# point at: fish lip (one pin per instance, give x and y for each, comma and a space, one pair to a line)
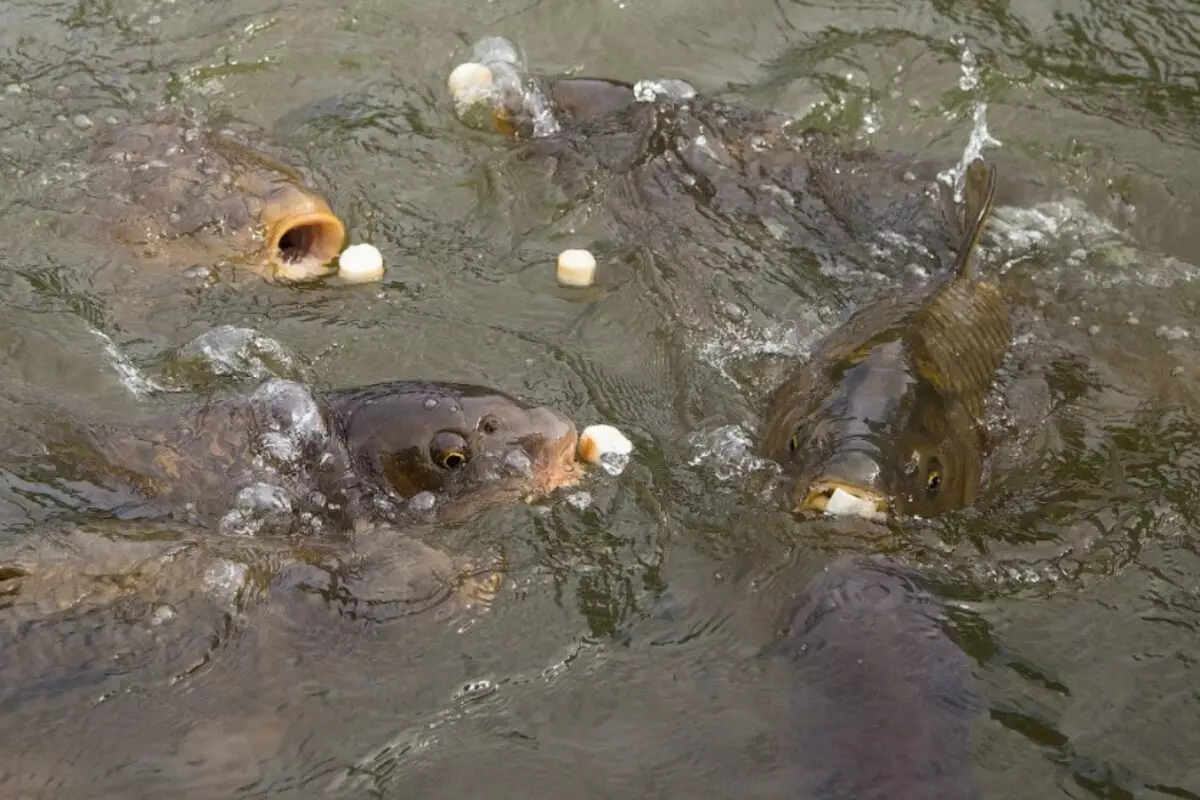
556, 466
821, 490
326, 234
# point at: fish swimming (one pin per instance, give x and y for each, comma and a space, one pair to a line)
884, 699
178, 196
344, 456
366, 464
886, 417
683, 173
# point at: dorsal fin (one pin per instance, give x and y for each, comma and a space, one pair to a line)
979, 190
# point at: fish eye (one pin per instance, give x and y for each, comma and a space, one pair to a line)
933, 479
489, 424
449, 450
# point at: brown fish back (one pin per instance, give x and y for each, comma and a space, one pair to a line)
964, 335
964, 328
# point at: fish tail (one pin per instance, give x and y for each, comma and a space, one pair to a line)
979, 191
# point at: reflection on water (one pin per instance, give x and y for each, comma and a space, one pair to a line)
621, 651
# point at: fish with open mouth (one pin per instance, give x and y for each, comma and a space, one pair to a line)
178, 194
886, 417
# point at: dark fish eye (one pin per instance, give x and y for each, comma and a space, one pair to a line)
489, 424
449, 450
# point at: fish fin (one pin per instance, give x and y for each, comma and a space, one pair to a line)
979, 190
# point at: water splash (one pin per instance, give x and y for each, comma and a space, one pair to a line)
980, 138
651, 90
228, 352
293, 428
1093, 249
259, 509
372, 771
736, 339
225, 578
133, 379
729, 448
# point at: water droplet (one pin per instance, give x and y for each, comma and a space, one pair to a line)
423, 501
579, 500
199, 272
1172, 334
474, 690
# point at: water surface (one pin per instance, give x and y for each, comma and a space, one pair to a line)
619, 659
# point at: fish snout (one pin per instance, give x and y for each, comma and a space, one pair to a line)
847, 485
551, 449
536, 455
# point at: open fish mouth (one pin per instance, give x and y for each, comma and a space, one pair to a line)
304, 245
303, 234
844, 499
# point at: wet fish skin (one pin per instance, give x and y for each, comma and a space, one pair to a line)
663, 162
178, 194
360, 452
884, 700
889, 409
394, 429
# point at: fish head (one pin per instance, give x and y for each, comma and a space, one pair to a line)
942, 451
882, 439
457, 440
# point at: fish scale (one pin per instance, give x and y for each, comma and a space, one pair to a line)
966, 335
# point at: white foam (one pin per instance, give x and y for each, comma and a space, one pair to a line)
650, 90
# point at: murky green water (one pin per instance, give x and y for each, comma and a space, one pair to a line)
618, 659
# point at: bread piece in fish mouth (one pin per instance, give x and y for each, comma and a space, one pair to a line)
886, 417
181, 196
376, 452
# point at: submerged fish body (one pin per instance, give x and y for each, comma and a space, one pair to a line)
338, 467
886, 417
884, 700
180, 196
690, 176
99, 609
342, 456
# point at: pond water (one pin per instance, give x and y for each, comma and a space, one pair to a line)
619, 657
